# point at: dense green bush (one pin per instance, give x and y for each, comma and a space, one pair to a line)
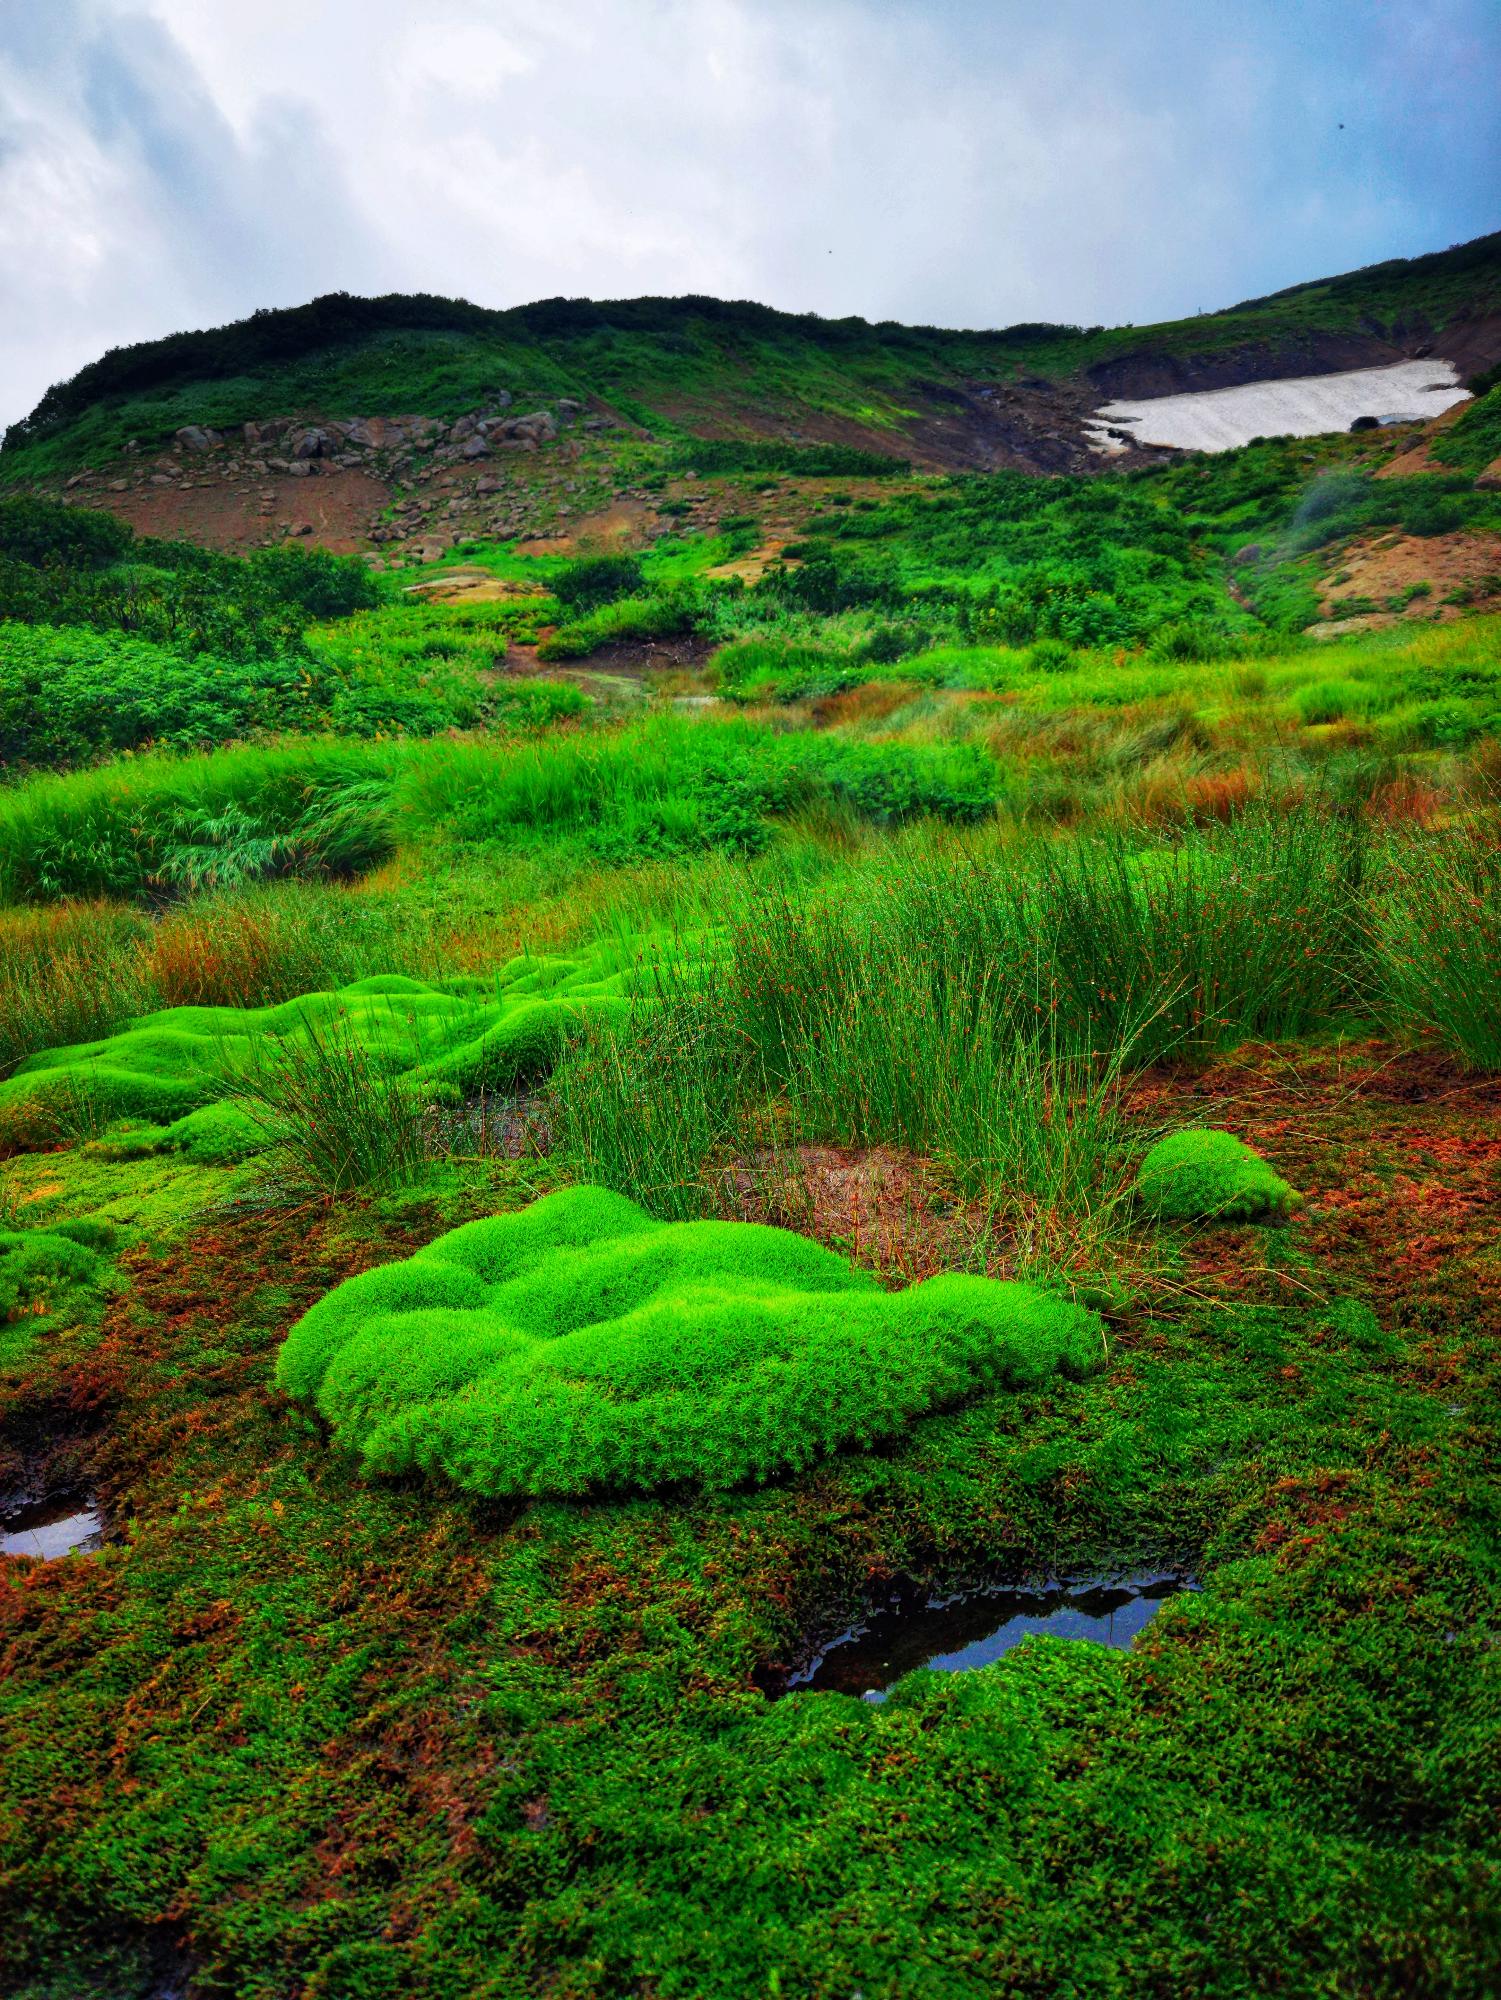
121, 830
579, 1347
664, 615
38, 531
66, 566
1200, 1175
596, 580
69, 695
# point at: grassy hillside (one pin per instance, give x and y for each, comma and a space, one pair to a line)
697, 363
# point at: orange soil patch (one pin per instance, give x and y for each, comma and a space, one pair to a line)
752, 567
1416, 457
1383, 568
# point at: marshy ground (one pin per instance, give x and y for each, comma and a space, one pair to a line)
1020, 824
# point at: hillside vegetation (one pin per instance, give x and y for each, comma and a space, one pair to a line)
694, 365
587, 1111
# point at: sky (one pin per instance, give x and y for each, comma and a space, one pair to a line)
178, 163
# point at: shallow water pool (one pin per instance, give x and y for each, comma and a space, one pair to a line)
51, 1527
974, 1628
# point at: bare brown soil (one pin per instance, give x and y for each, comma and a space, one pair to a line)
1382, 568
1417, 458
336, 511
471, 585
631, 659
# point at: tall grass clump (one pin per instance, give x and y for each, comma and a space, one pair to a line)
937, 1050
1094, 945
1246, 929
68, 975
646, 1109
337, 1117
272, 941
1436, 929
802, 1035
977, 1005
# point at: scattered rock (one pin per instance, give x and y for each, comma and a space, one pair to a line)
193, 437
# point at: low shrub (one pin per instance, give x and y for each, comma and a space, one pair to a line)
579, 1347
594, 580
65, 566
665, 616
69, 695
49, 1279
309, 807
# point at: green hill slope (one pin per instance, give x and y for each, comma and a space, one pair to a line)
713, 368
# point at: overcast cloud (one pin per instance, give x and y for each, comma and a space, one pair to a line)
173, 163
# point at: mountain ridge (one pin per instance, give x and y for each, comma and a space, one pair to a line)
699, 366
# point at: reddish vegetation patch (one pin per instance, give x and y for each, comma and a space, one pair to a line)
891, 1211
1397, 1152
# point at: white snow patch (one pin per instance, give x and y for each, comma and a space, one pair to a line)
1300, 406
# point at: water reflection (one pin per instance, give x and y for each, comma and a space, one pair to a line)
974, 1628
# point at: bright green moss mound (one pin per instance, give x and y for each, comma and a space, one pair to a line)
578, 1346
446, 1045
48, 1278
1199, 1176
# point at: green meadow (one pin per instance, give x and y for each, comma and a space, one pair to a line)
561, 1142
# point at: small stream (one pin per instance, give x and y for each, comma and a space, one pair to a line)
974, 1628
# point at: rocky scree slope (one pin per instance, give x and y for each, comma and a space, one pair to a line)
255, 431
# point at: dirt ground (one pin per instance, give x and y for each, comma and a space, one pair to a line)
1382, 568
1417, 457
336, 510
